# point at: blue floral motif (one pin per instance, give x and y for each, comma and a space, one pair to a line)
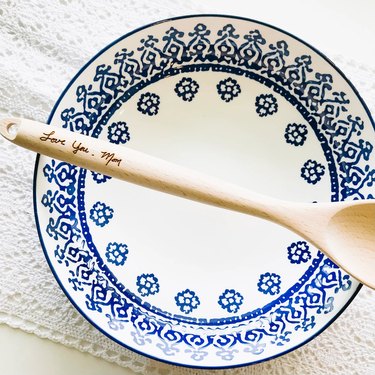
197, 355
118, 132
266, 105
187, 301
251, 51
186, 89
100, 178
296, 134
117, 253
100, 214
269, 283
48, 199
230, 300
148, 104
174, 47
148, 284
149, 59
225, 47
227, 354
64, 174
298, 252
306, 325
199, 45
59, 201
312, 171
79, 122
228, 89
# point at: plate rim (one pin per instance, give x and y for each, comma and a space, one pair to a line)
35, 175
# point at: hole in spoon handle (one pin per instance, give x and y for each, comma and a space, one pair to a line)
9, 128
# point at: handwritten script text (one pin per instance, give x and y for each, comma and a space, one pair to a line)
78, 147
109, 157
48, 137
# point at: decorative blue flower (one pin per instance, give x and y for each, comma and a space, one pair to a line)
116, 253
230, 300
118, 132
76, 121
100, 178
100, 214
312, 171
269, 283
148, 104
298, 252
187, 301
296, 134
228, 89
64, 174
266, 105
307, 324
227, 354
48, 199
186, 89
200, 29
147, 284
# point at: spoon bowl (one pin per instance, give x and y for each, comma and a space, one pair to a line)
344, 231
350, 240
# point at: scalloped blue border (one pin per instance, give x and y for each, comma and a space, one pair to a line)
51, 116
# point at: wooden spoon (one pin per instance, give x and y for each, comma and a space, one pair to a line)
344, 231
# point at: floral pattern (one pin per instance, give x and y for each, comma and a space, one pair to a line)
230, 300
148, 104
187, 301
298, 252
64, 174
269, 283
101, 214
186, 89
100, 178
266, 105
116, 253
312, 171
72, 120
118, 132
296, 134
148, 284
228, 89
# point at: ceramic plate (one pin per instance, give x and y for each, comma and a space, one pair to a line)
176, 280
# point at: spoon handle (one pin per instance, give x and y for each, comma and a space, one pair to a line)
126, 164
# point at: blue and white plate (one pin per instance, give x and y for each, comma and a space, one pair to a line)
176, 280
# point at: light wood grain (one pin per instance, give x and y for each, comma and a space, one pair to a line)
345, 231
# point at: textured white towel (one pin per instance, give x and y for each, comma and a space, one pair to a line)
42, 45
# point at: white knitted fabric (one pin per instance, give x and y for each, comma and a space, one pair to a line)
42, 45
